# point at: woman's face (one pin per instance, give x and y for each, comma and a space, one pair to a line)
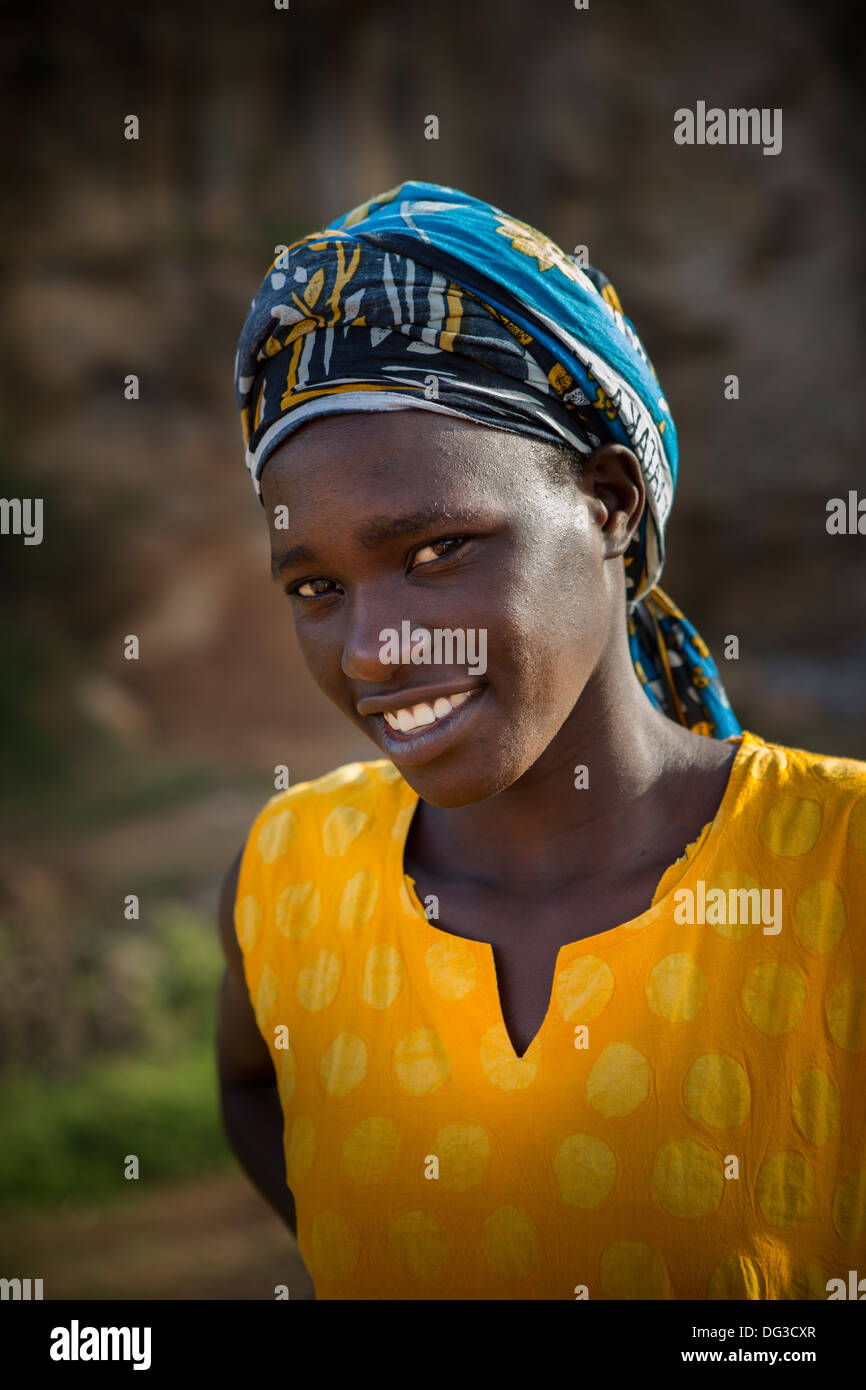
412, 534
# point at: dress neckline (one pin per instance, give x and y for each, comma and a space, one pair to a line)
695, 856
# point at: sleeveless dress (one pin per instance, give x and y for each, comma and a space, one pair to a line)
688, 1123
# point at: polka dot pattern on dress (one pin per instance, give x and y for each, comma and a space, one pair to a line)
691, 1101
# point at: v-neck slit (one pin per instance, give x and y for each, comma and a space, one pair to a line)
697, 854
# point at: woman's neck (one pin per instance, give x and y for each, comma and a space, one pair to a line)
647, 781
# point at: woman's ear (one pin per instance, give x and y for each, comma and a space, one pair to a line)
611, 475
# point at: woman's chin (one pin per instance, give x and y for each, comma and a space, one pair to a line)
457, 786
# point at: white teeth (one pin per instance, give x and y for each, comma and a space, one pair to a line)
423, 714
417, 716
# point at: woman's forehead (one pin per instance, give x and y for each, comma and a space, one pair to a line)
403, 427
399, 448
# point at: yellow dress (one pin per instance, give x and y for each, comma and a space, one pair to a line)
687, 1124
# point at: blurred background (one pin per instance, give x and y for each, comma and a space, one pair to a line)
257, 126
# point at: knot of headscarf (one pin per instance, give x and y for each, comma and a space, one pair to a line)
427, 298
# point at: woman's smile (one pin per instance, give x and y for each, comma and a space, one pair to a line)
419, 730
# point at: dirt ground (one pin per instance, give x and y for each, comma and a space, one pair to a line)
213, 1238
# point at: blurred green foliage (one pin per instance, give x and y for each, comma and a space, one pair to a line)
175, 988
67, 1137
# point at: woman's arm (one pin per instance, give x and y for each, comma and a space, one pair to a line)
252, 1114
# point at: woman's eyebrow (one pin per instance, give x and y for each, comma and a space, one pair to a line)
386, 528
370, 534
297, 555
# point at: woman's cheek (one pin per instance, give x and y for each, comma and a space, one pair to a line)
321, 658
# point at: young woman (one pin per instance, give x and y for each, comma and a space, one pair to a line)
563, 993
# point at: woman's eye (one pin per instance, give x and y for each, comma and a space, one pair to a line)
424, 555
312, 588
434, 550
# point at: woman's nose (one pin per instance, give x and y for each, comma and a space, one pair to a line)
372, 648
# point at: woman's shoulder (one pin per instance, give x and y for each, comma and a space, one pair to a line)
800, 772
317, 846
327, 813
805, 799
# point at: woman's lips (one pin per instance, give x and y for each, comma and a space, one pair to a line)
424, 738
424, 714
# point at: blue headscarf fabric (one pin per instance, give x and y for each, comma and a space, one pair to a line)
427, 298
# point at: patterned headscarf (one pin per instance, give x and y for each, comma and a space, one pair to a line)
427, 298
